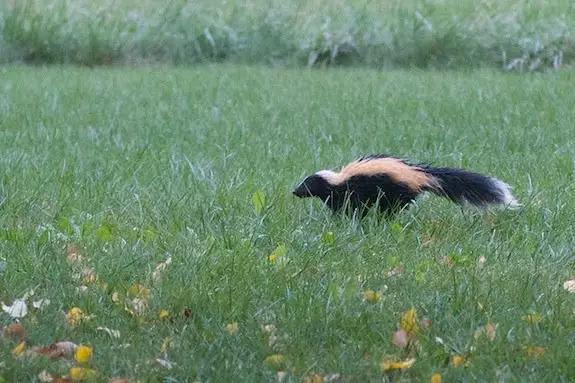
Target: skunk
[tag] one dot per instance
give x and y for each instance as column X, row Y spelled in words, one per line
column 392, row 184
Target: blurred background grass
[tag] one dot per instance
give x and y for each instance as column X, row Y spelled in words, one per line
column 524, row 35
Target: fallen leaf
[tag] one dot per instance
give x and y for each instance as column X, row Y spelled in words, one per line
column 427, row 323
column 389, row 365
column 436, row 378
column 188, row 313
column 72, row 255
column 371, row 296
column 164, row 314
column 164, row 363
column 316, row 378
column 76, row 316
column 166, row 344
column 81, row 373
column 19, row 349
column 112, row 333
column 532, row 318
column 231, row 328
column 281, row 375
column 409, row 322
column 400, row 338
column 534, row 351
column 120, row 380
column 278, row 252
column 276, row 361
column 56, row 350
column 136, row 290
column 396, row 271
column 488, row 330
column 161, row 267
column 17, row 310
column 457, row 360
column 15, row 330
column 331, row 377
column 83, row 354
column 569, row 286
column 115, row 297
column 40, row 304
column 45, row 376
column 482, row 260
column 447, row 262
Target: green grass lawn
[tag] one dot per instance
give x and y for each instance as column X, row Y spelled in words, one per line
column 137, row 165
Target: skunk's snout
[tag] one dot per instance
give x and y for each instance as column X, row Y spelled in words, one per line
column 301, row 191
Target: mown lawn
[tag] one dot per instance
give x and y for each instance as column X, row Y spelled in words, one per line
column 133, row 166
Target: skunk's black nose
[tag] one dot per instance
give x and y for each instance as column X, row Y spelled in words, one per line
column 300, row 191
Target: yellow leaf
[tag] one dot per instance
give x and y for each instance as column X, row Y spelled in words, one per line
column 457, row 360
column 19, row 349
column 275, row 361
column 279, row 252
column 75, row 316
column 316, row 378
column 81, row 373
column 166, row 344
column 534, row 351
column 436, row 378
column 164, row 314
column 371, row 296
column 409, row 322
column 388, row 365
column 231, row 328
column 83, row 354
column 137, row 290
column 532, row 318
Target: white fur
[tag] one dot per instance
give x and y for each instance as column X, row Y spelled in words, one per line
column 330, row 176
column 505, row 189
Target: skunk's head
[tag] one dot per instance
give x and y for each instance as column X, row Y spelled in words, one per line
column 317, row 185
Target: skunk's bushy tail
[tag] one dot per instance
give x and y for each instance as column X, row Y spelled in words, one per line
column 462, row 186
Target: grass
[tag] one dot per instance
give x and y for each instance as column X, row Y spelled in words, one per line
column 137, row 165
column 526, row 35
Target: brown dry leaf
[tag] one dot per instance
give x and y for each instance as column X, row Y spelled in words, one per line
column 159, row 268
column 400, row 338
column 396, row 271
column 447, row 262
column 489, row 330
column 72, row 255
column 569, row 285
column 15, row 330
column 120, row 380
column 56, row 350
